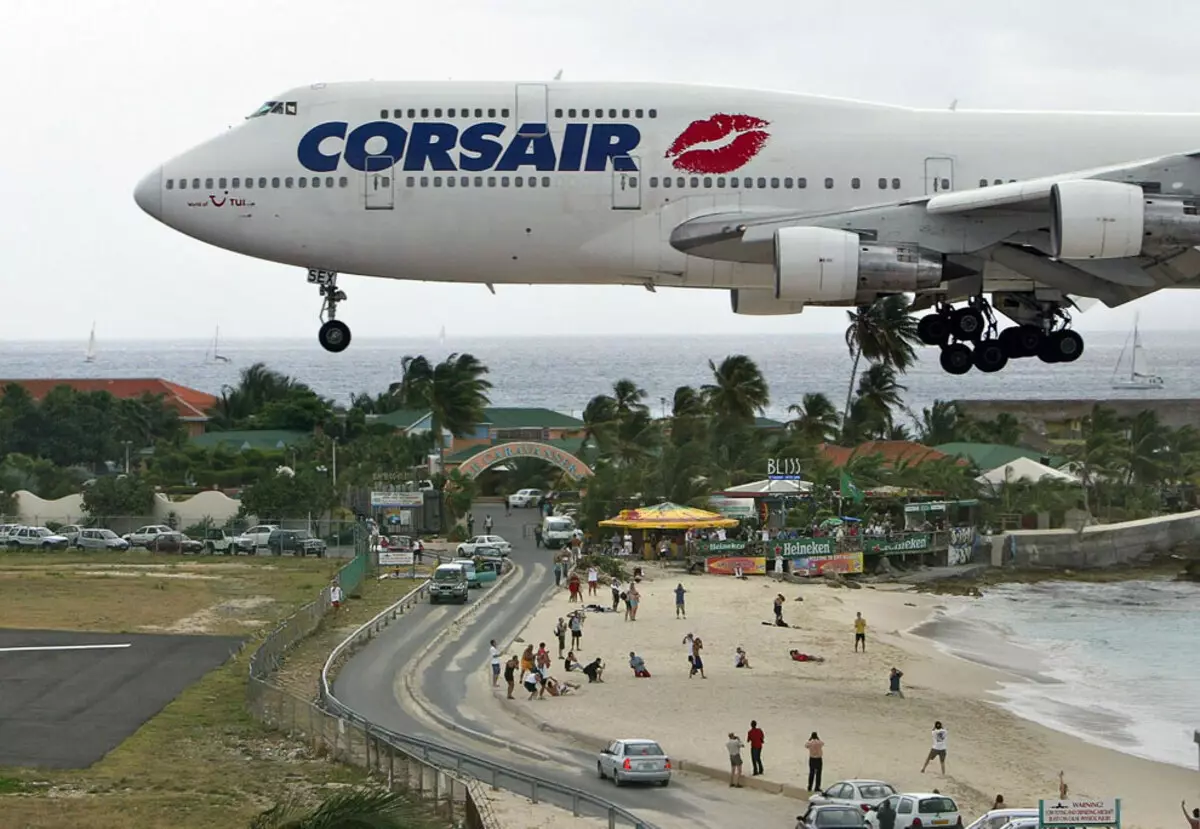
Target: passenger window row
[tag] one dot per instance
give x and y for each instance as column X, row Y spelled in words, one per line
column 436, row 112
column 476, row 181
column 760, row 183
column 262, row 183
column 983, row 182
column 612, row 113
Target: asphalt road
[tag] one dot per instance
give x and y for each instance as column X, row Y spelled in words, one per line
column 371, row 683
column 67, row 698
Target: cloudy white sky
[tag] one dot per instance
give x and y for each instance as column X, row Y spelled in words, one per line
column 99, row 92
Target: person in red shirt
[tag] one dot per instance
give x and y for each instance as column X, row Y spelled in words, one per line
column 755, row 738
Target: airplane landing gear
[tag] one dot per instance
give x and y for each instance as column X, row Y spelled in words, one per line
column 969, row 336
column 334, row 335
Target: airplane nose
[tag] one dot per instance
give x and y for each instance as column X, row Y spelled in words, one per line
column 148, row 193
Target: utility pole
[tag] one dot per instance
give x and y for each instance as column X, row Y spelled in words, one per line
column 1196, row 738
column 126, row 442
column 335, row 443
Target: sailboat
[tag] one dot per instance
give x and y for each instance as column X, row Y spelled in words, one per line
column 216, row 355
column 442, row 336
column 1138, row 376
column 90, row 355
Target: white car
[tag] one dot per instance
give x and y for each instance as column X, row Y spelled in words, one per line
column 95, row 539
column 919, row 809
column 6, row 530
column 36, row 537
column 634, row 761
column 1000, row 818
column 254, row 538
column 467, row 548
column 70, row 532
column 864, row 794
column 525, row 498
column 146, row 535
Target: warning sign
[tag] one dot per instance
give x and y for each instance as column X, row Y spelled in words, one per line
column 1078, row 813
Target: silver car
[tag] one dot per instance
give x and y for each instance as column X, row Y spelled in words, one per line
column 861, row 793
column 831, row 816
column 96, row 539
column 634, row 761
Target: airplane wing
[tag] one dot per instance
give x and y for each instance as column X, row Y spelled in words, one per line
column 1111, row 233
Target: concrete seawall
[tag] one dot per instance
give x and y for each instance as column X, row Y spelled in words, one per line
column 1103, row 545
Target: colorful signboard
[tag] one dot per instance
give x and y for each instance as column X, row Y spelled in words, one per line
column 910, row 543
column 802, row 547
column 408, row 500
column 784, row 469
column 1065, row 813
column 728, row 546
column 394, row 558
column 728, row 565
column 732, row 507
column 493, row 455
column 836, row 563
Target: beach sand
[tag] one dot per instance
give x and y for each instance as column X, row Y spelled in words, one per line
column 515, row 812
column 866, row 733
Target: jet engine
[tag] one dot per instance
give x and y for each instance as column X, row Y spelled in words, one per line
column 1171, row 222
column 817, row 264
column 1092, row 219
column 761, row 304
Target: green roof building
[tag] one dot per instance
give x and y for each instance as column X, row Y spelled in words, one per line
column 989, row 456
column 264, row 440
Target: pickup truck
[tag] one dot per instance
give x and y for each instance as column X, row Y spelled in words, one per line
column 254, row 538
column 219, row 542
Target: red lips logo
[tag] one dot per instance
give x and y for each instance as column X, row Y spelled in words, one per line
column 749, row 137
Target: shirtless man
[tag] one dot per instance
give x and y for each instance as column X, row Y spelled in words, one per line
column 1194, row 818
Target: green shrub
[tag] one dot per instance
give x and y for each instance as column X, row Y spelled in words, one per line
column 607, row 565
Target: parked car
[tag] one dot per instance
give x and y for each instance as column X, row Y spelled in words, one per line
column 467, row 548
column 831, row 816
column 174, row 542
column 295, row 543
column 919, row 809
column 94, row 539
column 70, row 532
column 1000, row 818
column 525, row 498
column 862, row 794
column 38, row 538
column 634, row 761
column 254, row 538
column 5, row 531
column 449, row 582
column 143, row 535
column 218, row 541
column 488, row 565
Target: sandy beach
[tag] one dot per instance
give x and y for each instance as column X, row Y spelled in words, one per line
column 867, row 734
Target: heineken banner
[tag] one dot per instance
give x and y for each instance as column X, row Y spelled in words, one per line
column 801, row 547
column 910, row 543
column 730, row 546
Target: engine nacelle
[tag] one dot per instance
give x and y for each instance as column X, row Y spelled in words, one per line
column 1171, row 222
column 818, row 264
column 1092, row 219
column 761, row 304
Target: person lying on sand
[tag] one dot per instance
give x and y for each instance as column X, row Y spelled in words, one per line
column 557, row 688
column 797, row 656
column 740, row 660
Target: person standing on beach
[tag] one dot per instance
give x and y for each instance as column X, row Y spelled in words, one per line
column 593, row 579
column 560, row 632
column 1194, row 818
column 510, row 674
column 616, row 593
column 697, row 659
column 755, row 738
column 635, row 598
column 779, row 600
column 689, row 642
column 894, row 684
column 734, row 747
column 494, row 652
column 576, row 626
column 778, row 566
column 940, row 738
column 816, row 761
column 860, row 632
column 680, row 610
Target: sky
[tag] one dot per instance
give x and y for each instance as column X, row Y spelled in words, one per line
column 100, row 92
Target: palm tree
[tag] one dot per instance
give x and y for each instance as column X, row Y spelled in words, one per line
column 688, row 416
column 871, row 412
column 627, row 398
column 454, row 391
column 357, row 809
column 599, row 422
column 1096, row 454
column 942, row 422
column 738, row 391
column 817, row 419
column 882, row 332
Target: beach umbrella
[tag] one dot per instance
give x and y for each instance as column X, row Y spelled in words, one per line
column 668, row 516
column 831, row 522
column 767, row 488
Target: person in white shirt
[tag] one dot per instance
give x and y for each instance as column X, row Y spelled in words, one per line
column 534, row 684
column 940, row 738
column 734, row 747
column 494, row 652
column 593, row 578
column 336, row 596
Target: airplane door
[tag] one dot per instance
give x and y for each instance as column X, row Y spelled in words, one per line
column 532, row 109
column 939, row 175
column 627, row 186
column 380, row 183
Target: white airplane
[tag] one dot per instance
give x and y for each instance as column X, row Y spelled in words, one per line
column 783, row 200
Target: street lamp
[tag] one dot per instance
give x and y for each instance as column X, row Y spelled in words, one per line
column 126, row 443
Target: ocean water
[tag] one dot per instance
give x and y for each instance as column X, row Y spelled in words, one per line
column 1115, row 664
column 563, row 373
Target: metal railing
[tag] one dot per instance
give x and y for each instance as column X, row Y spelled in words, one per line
column 497, row 775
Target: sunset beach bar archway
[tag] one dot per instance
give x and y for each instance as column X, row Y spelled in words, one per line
column 492, row 455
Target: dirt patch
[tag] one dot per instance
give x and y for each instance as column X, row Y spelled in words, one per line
column 157, row 574
column 206, row 620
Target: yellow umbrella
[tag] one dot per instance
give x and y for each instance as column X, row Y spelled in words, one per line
column 668, row 516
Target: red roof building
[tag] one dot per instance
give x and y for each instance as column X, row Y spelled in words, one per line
column 891, row 452
column 190, row 404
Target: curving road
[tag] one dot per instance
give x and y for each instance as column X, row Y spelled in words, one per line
column 372, row 684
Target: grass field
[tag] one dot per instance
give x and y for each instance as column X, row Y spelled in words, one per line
column 203, row 761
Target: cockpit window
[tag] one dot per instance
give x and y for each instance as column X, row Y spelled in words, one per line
column 262, row 110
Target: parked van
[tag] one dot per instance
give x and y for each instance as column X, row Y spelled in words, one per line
column 557, row 531
column 449, row 582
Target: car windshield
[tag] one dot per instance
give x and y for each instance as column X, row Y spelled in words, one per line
column 935, row 805
column 643, row 750
column 560, row 524
column 107, row 534
column 839, row 817
column 447, row 575
column 875, row 790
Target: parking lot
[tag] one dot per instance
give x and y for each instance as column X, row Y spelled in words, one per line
column 67, row 698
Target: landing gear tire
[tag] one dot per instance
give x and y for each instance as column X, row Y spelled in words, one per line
column 967, row 324
column 990, row 356
column 957, row 359
column 334, row 336
column 933, row 329
column 1030, row 338
column 1061, row 347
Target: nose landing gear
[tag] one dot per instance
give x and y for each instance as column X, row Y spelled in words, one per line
column 334, row 335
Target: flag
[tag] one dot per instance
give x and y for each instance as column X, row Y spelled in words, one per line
column 849, row 490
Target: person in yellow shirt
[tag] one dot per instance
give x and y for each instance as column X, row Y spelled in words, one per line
column 860, row 632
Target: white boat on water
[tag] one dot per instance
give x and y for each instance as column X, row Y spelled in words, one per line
column 215, row 355
column 90, row 355
column 1134, row 375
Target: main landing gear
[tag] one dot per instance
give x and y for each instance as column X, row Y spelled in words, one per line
column 334, row 334
column 969, row 336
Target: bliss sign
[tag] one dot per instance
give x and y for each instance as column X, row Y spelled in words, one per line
column 784, row 469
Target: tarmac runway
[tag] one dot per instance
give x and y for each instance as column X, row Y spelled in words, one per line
column 68, row 698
